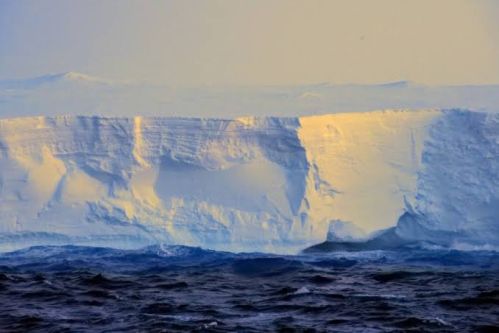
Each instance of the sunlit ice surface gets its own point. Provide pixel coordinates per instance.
(268, 184)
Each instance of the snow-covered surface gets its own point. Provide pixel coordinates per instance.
(81, 94)
(250, 183)
(135, 176)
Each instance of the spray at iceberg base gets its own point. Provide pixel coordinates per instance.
(362, 180)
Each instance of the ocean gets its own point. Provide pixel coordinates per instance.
(183, 289)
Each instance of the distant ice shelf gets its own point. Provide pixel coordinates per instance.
(74, 93)
(267, 184)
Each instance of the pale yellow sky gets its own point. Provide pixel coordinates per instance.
(188, 42)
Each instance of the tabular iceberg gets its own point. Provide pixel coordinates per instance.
(251, 183)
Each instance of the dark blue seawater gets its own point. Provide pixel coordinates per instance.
(179, 289)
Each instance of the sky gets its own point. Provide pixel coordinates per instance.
(257, 42)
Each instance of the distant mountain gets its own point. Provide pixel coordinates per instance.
(81, 94)
(68, 77)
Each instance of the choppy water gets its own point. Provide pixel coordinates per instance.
(167, 289)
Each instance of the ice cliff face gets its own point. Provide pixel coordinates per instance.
(457, 198)
(248, 184)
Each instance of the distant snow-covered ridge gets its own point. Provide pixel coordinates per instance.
(77, 93)
(250, 183)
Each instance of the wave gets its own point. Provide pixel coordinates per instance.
(177, 288)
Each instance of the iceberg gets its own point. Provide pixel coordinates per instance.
(268, 184)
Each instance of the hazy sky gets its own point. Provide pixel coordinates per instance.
(254, 41)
